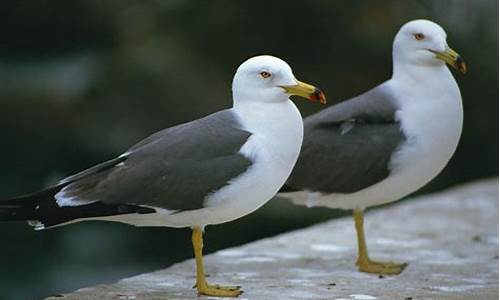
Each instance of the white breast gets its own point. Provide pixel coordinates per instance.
(431, 119)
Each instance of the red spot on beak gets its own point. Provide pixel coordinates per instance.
(318, 95)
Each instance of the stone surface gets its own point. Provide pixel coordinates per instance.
(450, 240)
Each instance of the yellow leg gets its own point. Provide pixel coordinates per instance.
(201, 283)
(364, 263)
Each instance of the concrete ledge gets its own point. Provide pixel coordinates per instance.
(450, 240)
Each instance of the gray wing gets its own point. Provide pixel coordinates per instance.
(348, 147)
(174, 169)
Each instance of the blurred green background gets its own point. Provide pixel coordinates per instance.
(81, 81)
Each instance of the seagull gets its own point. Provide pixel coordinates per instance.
(388, 142)
(208, 171)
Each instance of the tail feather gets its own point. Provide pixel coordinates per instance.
(25, 207)
(41, 210)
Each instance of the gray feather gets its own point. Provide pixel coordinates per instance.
(348, 147)
(174, 169)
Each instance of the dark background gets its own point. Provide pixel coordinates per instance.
(81, 81)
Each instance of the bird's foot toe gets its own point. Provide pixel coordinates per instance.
(219, 291)
(385, 268)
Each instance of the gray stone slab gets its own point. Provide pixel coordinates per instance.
(450, 240)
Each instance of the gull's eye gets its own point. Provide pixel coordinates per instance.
(265, 74)
(419, 36)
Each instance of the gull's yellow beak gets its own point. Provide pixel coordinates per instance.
(452, 58)
(307, 91)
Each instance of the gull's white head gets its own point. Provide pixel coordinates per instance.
(269, 79)
(423, 43)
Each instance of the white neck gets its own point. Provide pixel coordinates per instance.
(277, 125)
(243, 96)
(426, 85)
(267, 117)
(403, 70)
